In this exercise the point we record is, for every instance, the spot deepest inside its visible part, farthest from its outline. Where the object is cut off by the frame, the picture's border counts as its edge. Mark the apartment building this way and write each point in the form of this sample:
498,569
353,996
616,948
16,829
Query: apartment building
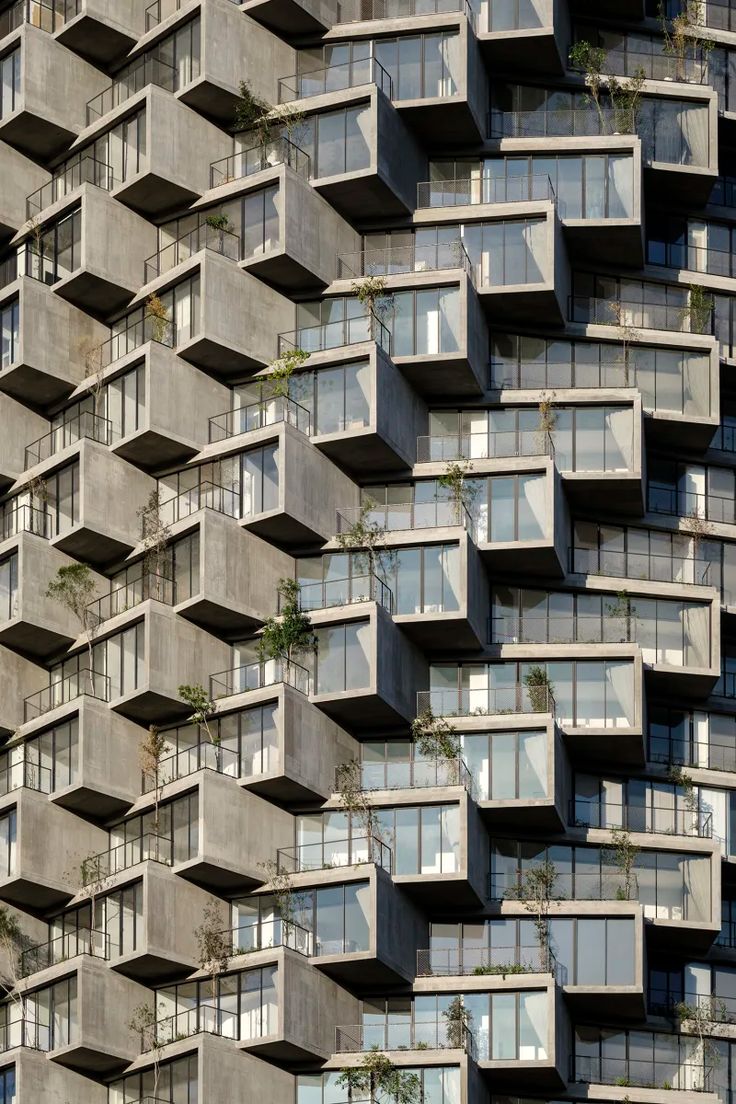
367,551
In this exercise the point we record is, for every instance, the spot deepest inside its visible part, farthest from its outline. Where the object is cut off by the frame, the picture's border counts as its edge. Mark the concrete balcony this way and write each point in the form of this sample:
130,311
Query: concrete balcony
393,665
273,763
174,653
227,816
534,37
53,88
102,30
301,253
310,489
546,808
21,176
174,170
36,1078
239,316
221,1069
98,535
544,1063
430,629
226,557
106,276
48,841
231,43
471,1083
31,622
385,185
164,946
105,774
291,19
179,400
46,362
100,1039
394,926
18,426
290,1033
21,677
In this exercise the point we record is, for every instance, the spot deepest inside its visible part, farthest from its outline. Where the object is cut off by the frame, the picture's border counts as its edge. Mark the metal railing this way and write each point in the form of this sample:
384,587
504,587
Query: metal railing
413,774
84,425
640,565
24,1032
343,592
224,242
691,504
581,886
205,496
27,519
556,123
131,338
651,818
146,70
271,411
246,162
644,316
542,628
405,1035
47,15
397,260
535,375
359,850
254,676
64,690
694,258
489,701
484,190
83,941
333,78
640,1072
655,66
334,335
482,446
186,761
263,935
206,1018
400,516
707,754
148,585
88,170
460,961
359,11
148,847
25,774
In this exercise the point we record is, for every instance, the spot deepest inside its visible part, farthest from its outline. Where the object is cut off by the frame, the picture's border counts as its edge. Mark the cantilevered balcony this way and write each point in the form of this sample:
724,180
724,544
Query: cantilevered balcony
65,690
254,676
333,78
259,158
523,34
85,170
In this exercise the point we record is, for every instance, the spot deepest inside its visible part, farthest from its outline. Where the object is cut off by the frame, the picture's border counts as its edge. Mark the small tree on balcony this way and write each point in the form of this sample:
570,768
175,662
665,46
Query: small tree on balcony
699,309
703,1018
623,854
91,352
536,891
152,749
591,60
159,316
289,635
376,301
368,540
434,737
461,489
356,803
377,1076
203,710
94,876
155,534
214,945
143,1024
74,588
286,901
539,688
681,37
623,610
458,1019
698,528
281,371
13,942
